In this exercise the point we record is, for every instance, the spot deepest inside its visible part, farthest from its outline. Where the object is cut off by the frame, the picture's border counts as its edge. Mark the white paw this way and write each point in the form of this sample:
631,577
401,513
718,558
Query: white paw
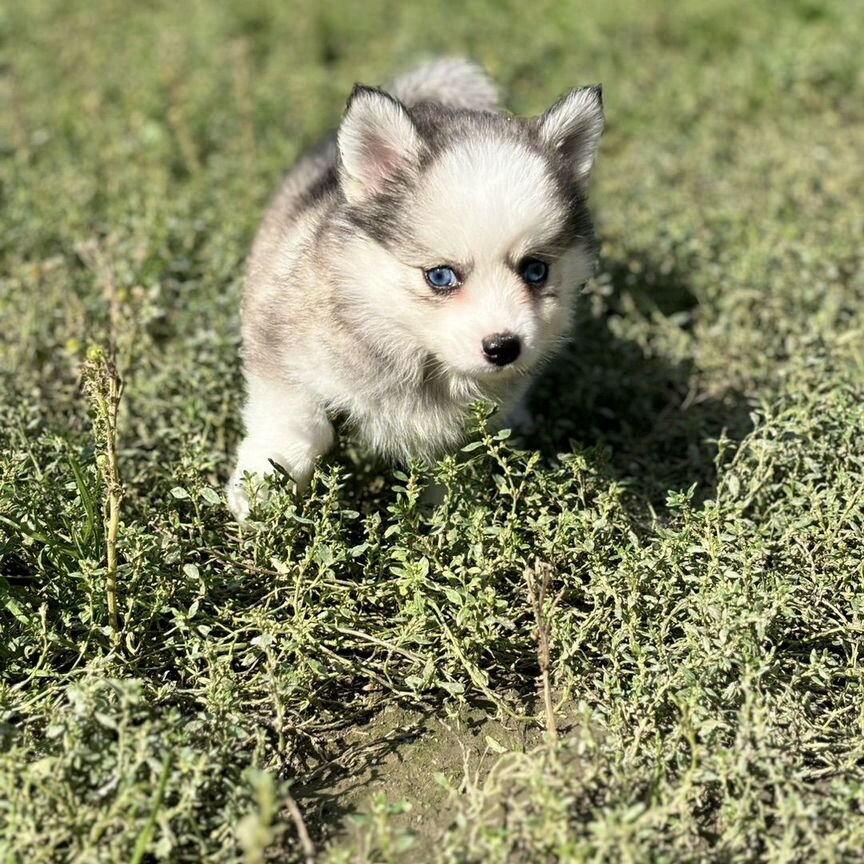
248,484
238,500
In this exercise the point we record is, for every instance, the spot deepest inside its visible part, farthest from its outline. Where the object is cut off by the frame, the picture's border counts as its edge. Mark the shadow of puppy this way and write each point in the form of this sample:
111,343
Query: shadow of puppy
647,413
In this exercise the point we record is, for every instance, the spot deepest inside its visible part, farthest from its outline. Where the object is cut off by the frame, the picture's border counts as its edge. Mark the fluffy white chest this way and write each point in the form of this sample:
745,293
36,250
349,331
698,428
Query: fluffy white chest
423,419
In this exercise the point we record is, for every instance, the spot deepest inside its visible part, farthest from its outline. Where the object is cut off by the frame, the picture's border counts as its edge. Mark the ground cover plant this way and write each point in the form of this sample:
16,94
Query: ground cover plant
675,553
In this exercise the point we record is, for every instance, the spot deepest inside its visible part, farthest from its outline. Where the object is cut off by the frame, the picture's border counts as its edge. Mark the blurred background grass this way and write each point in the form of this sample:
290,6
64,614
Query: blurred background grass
707,646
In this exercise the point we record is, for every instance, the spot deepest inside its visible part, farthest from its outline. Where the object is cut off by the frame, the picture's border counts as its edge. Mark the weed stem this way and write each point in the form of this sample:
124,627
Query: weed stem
537,591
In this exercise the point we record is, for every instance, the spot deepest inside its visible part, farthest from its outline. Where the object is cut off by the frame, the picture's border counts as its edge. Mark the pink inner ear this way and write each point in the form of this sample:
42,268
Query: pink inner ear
382,161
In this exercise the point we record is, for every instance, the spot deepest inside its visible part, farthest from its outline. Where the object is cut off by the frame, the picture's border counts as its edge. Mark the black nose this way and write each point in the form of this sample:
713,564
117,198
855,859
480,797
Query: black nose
501,348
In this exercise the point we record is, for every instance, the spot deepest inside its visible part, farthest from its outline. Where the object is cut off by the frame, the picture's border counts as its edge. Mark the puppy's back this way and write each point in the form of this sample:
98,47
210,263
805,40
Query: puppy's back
451,81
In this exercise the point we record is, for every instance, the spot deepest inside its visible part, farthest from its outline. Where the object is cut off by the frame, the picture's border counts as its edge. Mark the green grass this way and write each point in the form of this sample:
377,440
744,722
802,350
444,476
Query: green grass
696,483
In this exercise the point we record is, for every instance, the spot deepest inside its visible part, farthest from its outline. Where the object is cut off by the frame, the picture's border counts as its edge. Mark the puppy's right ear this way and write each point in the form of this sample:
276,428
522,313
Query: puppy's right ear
377,141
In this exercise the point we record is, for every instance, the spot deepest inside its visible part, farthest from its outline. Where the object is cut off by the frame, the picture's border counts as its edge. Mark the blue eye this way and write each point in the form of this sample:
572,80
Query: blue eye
442,278
533,271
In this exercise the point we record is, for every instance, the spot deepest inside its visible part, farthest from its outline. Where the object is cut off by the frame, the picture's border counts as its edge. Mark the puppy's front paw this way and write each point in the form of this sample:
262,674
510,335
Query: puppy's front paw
255,463
247,486
238,500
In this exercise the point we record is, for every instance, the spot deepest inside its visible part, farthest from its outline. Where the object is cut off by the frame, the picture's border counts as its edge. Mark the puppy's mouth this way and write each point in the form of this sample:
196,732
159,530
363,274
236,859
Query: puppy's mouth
434,368
510,370
436,372
499,375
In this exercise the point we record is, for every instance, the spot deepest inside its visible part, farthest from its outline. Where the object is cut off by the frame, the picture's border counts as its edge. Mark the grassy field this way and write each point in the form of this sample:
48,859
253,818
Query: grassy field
693,498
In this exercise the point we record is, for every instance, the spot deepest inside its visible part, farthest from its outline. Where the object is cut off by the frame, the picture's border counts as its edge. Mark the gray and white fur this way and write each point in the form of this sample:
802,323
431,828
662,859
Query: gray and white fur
340,315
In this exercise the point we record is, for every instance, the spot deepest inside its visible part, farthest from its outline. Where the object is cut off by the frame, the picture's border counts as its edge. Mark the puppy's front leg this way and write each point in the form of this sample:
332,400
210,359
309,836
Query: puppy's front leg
285,425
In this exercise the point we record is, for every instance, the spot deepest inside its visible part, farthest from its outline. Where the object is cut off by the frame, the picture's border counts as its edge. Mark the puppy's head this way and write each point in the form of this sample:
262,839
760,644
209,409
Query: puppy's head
469,230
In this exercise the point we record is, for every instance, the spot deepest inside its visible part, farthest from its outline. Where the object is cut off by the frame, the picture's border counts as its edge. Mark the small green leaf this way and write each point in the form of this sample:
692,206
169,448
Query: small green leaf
211,496
454,688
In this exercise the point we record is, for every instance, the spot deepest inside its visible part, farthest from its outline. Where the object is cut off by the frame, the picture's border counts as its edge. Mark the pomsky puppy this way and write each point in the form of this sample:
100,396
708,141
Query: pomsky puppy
422,259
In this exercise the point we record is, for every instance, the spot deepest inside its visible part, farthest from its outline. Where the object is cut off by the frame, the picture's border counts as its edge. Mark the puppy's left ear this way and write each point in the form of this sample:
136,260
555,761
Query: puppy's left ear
572,127
377,141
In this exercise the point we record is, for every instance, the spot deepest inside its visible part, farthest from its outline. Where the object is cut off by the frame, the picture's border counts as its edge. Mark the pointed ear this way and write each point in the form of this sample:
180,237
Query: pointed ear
573,126
377,139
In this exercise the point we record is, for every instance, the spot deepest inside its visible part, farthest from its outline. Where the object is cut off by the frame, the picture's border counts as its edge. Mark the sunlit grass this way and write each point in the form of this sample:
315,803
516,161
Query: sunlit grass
693,489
